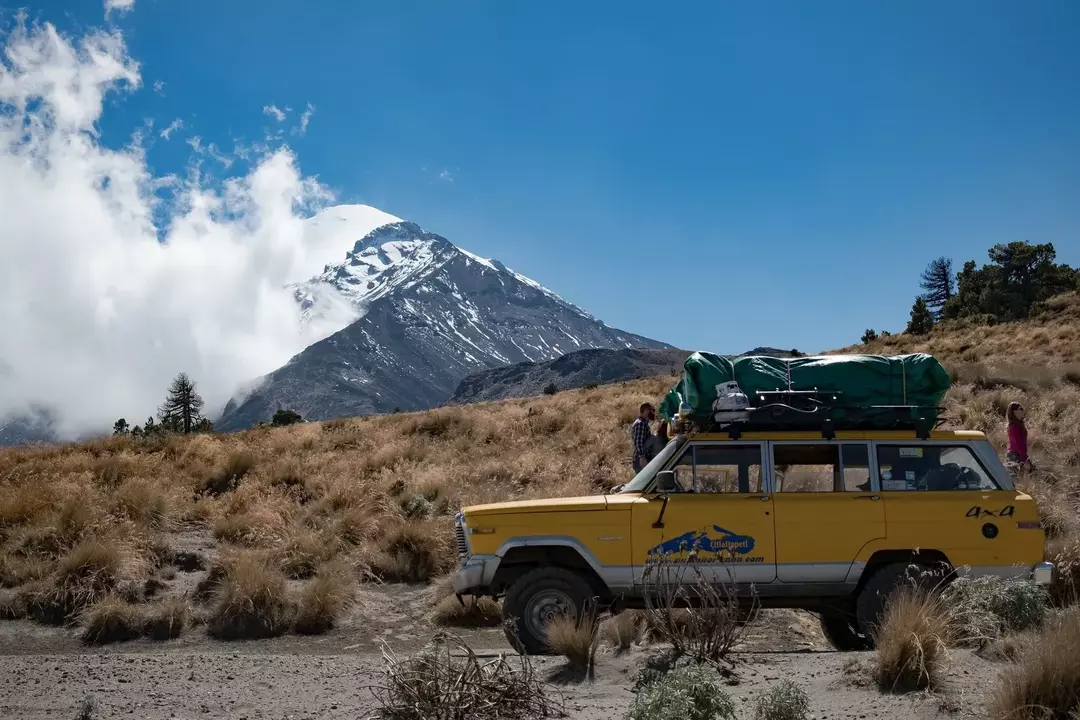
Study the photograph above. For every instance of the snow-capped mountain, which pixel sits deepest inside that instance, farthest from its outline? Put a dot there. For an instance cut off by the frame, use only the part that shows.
(430, 312)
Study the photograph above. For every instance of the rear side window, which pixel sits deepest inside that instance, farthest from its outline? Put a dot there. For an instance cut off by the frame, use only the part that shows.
(821, 467)
(931, 468)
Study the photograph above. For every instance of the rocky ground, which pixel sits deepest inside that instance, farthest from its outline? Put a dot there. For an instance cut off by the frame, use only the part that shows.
(49, 673)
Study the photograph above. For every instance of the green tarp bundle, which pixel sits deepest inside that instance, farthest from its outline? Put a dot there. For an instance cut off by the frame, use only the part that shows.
(860, 380)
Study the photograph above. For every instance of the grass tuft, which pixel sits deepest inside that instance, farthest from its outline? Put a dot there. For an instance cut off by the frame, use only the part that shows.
(251, 600)
(912, 641)
(782, 701)
(325, 599)
(1044, 682)
(574, 638)
(112, 619)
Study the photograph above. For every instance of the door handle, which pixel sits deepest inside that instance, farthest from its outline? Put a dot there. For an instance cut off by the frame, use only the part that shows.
(867, 497)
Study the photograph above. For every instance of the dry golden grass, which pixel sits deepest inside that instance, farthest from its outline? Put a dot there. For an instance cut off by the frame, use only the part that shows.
(325, 599)
(168, 619)
(576, 639)
(912, 642)
(624, 630)
(112, 619)
(1044, 682)
(251, 600)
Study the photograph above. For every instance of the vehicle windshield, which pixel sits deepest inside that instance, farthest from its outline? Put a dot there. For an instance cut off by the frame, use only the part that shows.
(643, 478)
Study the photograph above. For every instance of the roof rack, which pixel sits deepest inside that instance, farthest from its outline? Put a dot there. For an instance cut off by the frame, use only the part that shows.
(815, 410)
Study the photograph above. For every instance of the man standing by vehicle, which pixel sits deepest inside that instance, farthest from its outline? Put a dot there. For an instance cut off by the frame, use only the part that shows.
(640, 434)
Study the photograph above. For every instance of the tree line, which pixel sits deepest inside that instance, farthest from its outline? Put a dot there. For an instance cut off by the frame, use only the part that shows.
(181, 413)
(1016, 282)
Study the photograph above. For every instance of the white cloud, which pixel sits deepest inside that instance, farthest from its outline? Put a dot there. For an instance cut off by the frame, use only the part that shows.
(305, 120)
(118, 5)
(106, 289)
(446, 176)
(159, 87)
(173, 127)
(275, 112)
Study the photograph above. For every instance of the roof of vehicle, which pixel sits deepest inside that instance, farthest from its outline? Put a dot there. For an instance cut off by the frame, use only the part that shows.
(958, 435)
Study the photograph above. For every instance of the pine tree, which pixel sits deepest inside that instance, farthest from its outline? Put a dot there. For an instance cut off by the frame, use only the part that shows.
(120, 427)
(182, 409)
(922, 320)
(938, 284)
(869, 336)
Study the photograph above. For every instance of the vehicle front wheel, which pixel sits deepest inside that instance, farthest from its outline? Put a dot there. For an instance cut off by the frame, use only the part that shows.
(535, 599)
(842, 631)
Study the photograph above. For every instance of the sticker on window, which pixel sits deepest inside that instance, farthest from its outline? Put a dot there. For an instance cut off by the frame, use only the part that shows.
(911, 452)
(909, 475)
(894, 485)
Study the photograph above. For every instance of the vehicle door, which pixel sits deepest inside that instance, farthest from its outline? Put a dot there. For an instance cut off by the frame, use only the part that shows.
(826, 509)
(721, 513)
(942, 495)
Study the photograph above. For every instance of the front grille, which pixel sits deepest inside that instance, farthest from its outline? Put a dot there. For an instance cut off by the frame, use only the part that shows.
(462, 544)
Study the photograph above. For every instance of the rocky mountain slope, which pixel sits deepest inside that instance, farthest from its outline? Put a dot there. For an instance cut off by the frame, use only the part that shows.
(431, 314)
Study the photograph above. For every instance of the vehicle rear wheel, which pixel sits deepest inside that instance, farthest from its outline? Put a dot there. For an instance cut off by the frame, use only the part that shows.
(872, 601)
(535, 599)
(842, 631)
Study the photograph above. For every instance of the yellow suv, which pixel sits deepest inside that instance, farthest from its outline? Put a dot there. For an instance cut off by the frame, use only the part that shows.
(824, 521)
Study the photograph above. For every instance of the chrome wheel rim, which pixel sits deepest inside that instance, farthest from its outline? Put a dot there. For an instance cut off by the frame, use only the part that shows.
(544, 607)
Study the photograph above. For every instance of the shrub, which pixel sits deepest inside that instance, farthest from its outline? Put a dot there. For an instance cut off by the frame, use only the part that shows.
(168, 619)
(304, 551)
(622, 631)
(989, 606)
(574, 638)
(912, 641)
(286, 417)
(251, 601)
(12, 605)
(141, 501)
(1045, 680)
(783, 701)
(551, 389)
(698, 617)
(691, 692)
(88, 709)
(471, 612)
(239, 464)
(447, 681)
(112, 620)
(83, 577)
(413, 552)
(324, 599)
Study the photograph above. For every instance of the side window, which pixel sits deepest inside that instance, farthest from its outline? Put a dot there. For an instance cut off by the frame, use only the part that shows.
(727, 469)
(806, 467)
(856, 457)
(931, 467)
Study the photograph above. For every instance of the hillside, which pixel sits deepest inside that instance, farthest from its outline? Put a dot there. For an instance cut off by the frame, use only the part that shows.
(379, 492)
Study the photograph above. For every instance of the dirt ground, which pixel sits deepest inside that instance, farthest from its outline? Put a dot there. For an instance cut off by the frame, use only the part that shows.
(48, 672)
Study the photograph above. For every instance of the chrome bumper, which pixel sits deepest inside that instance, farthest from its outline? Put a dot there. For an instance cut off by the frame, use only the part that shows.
(469, 577)
(1043, 573)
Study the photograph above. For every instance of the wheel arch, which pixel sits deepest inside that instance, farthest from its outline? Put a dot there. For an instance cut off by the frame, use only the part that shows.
(518, 558)
(882, 557)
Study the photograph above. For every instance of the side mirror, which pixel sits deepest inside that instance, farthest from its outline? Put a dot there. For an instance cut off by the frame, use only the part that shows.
(665, 481)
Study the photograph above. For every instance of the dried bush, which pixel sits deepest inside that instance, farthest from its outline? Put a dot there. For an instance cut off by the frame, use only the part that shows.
(912, 641)
(624, 630)
(1065, 555)
(167, 619)
(325, 599)
(697, 615)
(236, 467)
(304, 551)
(83, 577)
(470, 612)
(574, 638)
(112, 619)
(689, 692)
(1044, 682)
(251, 601)
(447, 681)
(782, 701)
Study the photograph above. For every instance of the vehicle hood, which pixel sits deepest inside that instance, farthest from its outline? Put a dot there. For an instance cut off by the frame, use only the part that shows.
(572, 504)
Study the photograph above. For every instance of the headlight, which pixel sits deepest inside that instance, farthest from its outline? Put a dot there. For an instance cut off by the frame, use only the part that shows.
(461, 538)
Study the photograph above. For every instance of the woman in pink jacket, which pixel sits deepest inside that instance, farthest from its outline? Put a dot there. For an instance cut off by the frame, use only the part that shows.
(1018, 446)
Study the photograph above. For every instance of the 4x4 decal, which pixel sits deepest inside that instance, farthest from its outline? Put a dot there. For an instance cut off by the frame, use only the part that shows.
(978, 512)
(699, 540)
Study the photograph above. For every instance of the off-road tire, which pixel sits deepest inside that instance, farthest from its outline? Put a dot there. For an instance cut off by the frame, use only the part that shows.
(842, 631)
(521, 622)
(873, 599)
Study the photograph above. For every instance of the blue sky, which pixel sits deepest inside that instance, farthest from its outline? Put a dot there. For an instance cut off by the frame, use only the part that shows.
(715, 175)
